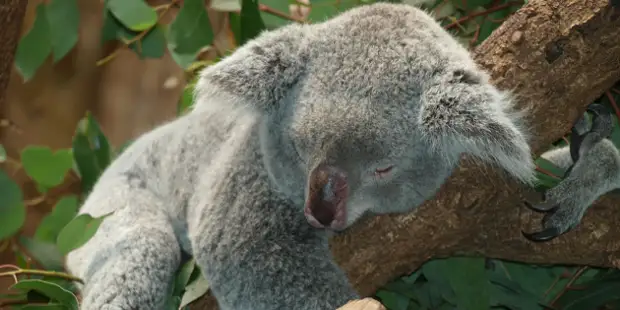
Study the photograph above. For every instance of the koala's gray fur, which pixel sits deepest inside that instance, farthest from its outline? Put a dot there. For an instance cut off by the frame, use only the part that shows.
(595, 173)
(380, 85)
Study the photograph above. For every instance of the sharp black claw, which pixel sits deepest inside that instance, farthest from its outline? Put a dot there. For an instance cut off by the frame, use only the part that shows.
(542, 236)
(541, 207)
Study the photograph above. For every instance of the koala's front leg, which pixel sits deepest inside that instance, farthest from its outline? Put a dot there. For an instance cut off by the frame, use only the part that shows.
(130, 261)
(593, 164)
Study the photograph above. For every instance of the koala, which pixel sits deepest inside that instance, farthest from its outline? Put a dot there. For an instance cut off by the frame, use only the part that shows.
(592, 164)
(292, 138)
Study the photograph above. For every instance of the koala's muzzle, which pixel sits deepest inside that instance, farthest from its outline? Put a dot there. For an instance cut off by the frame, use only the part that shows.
(326, 203)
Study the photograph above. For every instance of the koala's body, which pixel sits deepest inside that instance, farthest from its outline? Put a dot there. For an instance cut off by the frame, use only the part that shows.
(295, 135)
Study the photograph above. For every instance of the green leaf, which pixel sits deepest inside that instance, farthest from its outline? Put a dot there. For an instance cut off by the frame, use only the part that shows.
(134, 14)
(86, 161)
(191, 29)
(234, 19)
(11, 206)
(51, 225)
(502, 296)
(3, 155)
(532, 279)
(51, 290)
(91, 151)
(509, 293)
(546, 165)
(13, 296)
(592, 297)
(78, 232)
(64, 22)
(392, 300)
(113, 29)
(251, 22)
(413, 277)
(183, 60)
(43, 252)
(183, 276)
(172, 303)
(429, 295)
(401, 287)
(187, 98)
(194, 290)
(469, 281)
(99, 141)
(152, 45)
(46, 168)
(43, 307)
(434, 272)
(35, 46)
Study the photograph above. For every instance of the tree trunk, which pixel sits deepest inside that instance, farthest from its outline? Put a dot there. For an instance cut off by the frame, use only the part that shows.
(11, 16)
(558, 56)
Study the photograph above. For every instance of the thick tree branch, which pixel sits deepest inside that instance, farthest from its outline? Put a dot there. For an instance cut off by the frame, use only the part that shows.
(558, 56)
(11, 16)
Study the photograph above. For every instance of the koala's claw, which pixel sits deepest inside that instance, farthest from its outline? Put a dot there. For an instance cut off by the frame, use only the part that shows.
(541, 207)
(544, 235)
(548, 233)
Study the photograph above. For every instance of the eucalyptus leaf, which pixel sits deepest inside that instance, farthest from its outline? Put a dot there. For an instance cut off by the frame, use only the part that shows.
(46, 167)
(46, 253)
(11, 206)
(194, 290)
(62, 213)
(78, 232)
(251, 23)
(51, 290)
(35, 46)
(134, 14)
(64, 22)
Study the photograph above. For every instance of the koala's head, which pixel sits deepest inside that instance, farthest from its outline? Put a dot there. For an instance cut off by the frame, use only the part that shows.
(369, 111)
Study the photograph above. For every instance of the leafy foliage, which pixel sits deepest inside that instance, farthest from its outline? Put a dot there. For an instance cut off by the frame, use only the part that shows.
(467, 283)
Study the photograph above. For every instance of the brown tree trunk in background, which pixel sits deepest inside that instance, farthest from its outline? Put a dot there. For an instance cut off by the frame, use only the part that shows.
(11, 16)
(558, 56)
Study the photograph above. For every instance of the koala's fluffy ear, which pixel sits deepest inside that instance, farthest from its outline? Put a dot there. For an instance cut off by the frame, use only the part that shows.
(462, 113)
(259, 73)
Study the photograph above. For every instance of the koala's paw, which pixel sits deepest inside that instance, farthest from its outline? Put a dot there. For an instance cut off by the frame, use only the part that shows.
(566, 203)
(561, 215)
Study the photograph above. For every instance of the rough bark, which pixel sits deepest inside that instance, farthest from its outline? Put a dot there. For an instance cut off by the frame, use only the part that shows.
(558, 56)
(11, 16)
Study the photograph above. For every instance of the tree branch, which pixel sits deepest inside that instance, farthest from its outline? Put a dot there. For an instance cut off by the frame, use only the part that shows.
(11, 16)
(558, 56)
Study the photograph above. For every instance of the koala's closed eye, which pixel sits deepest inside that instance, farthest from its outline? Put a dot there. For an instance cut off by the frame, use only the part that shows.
(383, 171)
